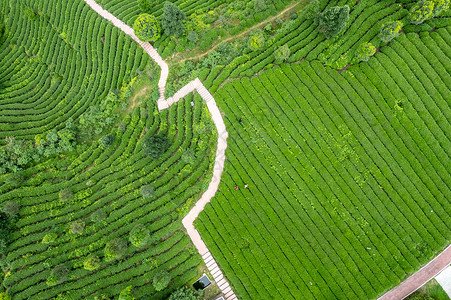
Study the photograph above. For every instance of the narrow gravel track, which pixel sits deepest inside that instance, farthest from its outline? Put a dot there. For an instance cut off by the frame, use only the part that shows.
(195, 85)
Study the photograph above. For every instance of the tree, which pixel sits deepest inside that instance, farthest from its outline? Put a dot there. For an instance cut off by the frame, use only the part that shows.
(311, 11)
(161, 280)
(144, 5)
(107, 140)
(256, 40)
(172, 20)
(193, 37)
(58, 274)
(5, 296)
(183, 294)
(139, 236)
(147, 28)
(390, 30)
(421, 11)
(115, 249)
(147, 191)
(49, 238)
(77, 227)
(126, 294)
(11, 208)
(282, 53)
(439, 6)
(6, 229)
(155, 145)
(333, 21)
(365, 51)
(65, 195)
(91, 263)
(259, 5)
(98, 216)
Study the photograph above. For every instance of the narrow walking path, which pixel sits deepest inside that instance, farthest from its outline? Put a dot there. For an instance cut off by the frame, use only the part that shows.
(418, 279)
(195, 85)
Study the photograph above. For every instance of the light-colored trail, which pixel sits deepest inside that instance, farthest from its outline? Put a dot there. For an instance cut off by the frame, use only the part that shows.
(195, 85)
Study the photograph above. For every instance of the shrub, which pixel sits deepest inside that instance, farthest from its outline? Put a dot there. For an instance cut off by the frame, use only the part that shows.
(91, 263)
(98, 216)
(293, 16)
(147, 191)
(58, 275)
(155, 145)
(139, 236)
(256, 40)
(107, 140)
(49, 238)
(333, 21)
(311, 11)
(161, 280)
(183, 294)
(259, 5)
(147, 28)
(77, 227)
(144, 5)
(126, 294)
(172, 20)
(65, 195)
(282, 53)
(390, 30)
(5, 296)
(115, 249)
(365, 51)
(193, 37)
(11, 208)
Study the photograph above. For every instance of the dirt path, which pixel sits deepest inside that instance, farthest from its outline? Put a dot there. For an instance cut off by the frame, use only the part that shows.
(418, 279)
(195, 85)
(239, 35)
(141, 92)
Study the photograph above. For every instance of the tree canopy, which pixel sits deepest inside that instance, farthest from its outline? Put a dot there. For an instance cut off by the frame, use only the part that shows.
(139, 236)
(92, 262)
(115, 249)
(147, 28)
(155, 145)
(183, 294)
(282, 53)
(333, 21)
(172, 20)
(161, 280)
(58, 274)
(365, 51)
(256, 40)
(390, 30)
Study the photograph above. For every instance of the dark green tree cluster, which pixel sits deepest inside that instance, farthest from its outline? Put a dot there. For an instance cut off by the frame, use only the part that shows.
(11, 208)
(58, 274)
(172, 20)
(282, 53)
(139, 236)
(333, 21)
(311, 11)
(6, 228)
(115, 249)
(144, 6)
(183, 294)
(107, 140)
(161, 280)
(389, 31)
(147, 28)
(155, 145)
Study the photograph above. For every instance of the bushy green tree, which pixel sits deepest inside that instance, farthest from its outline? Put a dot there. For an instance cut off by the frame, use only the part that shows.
(49, 238)
(5, 296)
(58, 275)
(172, 20)
(126, 294)
(421, 11)
(439, 6)
(98, 216)
(139, 236)
(144, 6)
(147, 28)
(390, 30)
(282, 53)
(91, 263)
(161, 280)
(11, 208)
(256, 40)
(6, 228)
(183, 294)
(147, 191)
(193, 37)
(259, 5)
(107, 140)
(333, 21)
(365, 51)
(311, 11)
(155, 145)
(77, 227)
(115, 249)
(65, 195)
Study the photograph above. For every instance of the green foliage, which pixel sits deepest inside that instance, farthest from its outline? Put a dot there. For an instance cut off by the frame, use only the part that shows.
(4, 296)
(107, 140)
(172, 20)
(439, 6)
(58, 275)
(365, 51)
(11, 208)
(49, 238)
(77, 227)
(183, 293)
(161, 280)
(282, 53)
(147, 191)
(260, 5)
(390, 30)
(92, 262)
(65, 195)
(126, 294)
(155, 145)
(139, 236)
(421, 11)
(193, 37)
(333, 21)
(144, 6)
(147, 28)
(115, 249)
(6, 228)
(311, 11)
(256, 40)
(30, 13)
(98, 216)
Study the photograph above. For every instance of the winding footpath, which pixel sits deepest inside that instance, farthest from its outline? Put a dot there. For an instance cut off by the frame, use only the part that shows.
(195, 85)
